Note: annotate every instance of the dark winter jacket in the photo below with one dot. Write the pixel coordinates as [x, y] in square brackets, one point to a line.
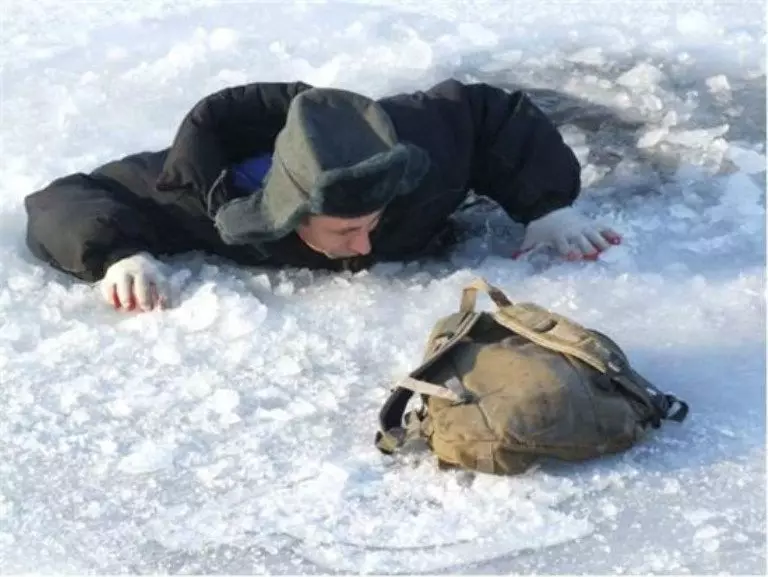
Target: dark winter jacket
[479, 138]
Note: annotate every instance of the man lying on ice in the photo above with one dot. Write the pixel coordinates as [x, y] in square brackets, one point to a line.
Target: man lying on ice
[286, 174]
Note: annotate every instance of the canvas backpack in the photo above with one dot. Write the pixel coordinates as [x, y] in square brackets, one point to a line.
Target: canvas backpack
[502, 389]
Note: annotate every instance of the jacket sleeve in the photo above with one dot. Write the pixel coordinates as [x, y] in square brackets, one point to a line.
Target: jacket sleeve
[224, 128]
[518, 157]
[80, 226]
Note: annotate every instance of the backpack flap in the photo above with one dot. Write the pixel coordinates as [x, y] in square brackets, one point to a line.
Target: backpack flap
[558, 333]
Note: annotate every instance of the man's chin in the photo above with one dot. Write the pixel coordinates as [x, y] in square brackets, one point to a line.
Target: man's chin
[332, 255]
[340, 256]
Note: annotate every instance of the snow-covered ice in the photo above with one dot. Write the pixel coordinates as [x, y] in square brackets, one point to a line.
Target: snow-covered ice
[235, 433]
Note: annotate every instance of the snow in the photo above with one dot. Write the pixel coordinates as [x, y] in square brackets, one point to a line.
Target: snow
[234, 433]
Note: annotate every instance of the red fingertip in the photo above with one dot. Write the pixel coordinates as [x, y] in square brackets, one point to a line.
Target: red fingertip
[115, 298]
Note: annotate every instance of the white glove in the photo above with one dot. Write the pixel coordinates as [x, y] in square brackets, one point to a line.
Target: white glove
[570, 233]
[136, 281]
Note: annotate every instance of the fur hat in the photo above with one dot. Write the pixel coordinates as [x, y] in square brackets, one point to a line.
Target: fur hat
[337, 155]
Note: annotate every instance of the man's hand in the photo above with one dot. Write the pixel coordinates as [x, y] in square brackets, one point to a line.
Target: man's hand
[570, 233]
[136, 282]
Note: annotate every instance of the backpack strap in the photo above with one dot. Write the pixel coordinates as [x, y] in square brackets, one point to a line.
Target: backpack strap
[469, 295]
[392, 434]
[558, 333]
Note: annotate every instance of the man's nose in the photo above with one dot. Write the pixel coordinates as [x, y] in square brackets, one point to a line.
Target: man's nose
[361, 243]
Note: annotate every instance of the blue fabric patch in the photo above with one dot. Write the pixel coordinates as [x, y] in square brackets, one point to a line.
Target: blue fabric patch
[250, 173]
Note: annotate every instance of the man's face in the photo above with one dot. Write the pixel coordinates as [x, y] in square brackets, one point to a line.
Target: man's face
[339, 237]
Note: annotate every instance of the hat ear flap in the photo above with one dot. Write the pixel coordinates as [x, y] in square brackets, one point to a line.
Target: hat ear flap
[363, 188]
[416, 168]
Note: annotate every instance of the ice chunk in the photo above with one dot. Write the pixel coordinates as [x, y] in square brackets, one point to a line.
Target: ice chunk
[697, 138]
[582, 153]
[326, 400]
[696, 24]
[80, 416]
[670, 119]
[224, 401]
[573, 135]
[699, 516]
[652, 137]
[670, 486]
[615, 255]
[749, 161]
[707, 538]
[24, 283]
[167, 353]
[6, 507]
[261, 281]
[641, 76]
[92, 510]
[592, 174]
[302, 408]
[207, 475]
[147, 457]
[727, 432]
[285, 288]
[478, 35]
[229, 419]
[506, 58]
[650, 104]
[287, 366]
[262, 414]
[682, 211]
[200, 310]
[592, 55]
[107, 447]
[718, 84]
[119, 408]
[331, 477]
[68, 400]
[241, 320]
[197, 386]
